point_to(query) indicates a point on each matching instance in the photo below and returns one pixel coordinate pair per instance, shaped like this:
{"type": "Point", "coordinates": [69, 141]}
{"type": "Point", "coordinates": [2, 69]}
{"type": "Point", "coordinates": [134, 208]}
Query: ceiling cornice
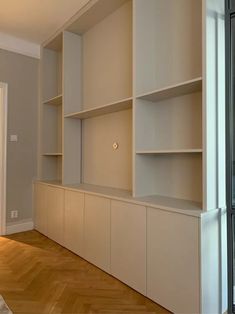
{"type": "Point", "coordinates": [18, 45]}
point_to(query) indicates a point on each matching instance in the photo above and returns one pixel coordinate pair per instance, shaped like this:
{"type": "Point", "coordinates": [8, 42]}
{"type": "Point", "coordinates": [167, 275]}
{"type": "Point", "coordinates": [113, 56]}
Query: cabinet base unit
{"type": "Point", "coordinates": [173, 265]}
{"type": "Point", "coordinates": [163, 254]}
{"type": "Point", "coordinates": [128, 244]}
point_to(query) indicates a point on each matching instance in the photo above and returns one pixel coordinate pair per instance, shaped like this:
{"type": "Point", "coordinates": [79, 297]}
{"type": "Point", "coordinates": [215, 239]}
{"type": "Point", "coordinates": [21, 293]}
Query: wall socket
{"type": "Point", "coordinates": [14, 214]}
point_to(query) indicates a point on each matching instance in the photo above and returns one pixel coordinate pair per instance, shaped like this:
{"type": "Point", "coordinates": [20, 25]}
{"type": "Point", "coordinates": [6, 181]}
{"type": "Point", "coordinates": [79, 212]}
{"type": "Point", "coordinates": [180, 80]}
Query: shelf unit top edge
{"type": "Point", "coordinates": [90, 14]}
{"type": "Point", "coordinates": [127, 103]}
{"type": "Point", "coordinates": [197, 82]}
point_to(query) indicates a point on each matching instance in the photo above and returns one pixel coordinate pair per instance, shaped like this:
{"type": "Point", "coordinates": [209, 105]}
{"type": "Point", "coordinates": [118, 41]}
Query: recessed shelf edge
{"type": "Point", "coordinates": [184, 88]}
{"type": "Point", "coordinates": [105, 109]}
{"type": "Point", "coordinates": [55, 101]}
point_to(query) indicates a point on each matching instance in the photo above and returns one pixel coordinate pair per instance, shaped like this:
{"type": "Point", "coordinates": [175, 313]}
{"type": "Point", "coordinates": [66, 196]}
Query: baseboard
{"type": "Point", "coordinates": [20, 226]}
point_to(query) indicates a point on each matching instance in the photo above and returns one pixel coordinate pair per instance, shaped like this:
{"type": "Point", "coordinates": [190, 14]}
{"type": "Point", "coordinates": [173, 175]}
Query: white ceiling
{"type": "Point", "coordinates": [36, 20]}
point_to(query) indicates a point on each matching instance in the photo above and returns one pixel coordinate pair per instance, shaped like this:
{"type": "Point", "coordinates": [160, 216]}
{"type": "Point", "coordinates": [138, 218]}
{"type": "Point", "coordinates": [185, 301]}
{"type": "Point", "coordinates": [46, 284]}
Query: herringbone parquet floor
{"type": "Point", "coordinates": [37, 276]}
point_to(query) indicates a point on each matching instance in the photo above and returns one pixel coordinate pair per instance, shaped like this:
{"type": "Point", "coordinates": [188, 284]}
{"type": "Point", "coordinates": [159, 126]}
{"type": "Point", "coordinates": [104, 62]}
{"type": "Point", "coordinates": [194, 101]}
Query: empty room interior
{"type": "Point", "coordinates": [117, 156]}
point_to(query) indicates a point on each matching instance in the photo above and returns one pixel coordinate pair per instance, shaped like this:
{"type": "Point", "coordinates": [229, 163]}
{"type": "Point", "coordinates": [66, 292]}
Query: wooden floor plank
{"type": "Point", "coordinates": [37, 276]}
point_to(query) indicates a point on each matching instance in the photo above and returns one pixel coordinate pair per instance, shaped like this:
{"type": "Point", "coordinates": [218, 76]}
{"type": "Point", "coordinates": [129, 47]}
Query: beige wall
{"type": "Point", "coordinates": [21, 74]}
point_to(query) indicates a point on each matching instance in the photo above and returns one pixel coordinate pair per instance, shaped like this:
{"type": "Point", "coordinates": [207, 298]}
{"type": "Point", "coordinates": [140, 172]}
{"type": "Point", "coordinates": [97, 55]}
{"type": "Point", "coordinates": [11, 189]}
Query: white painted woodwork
{"type": "Point", "coordinates": [107, 59]}
{"type": "Point", "coordinates": [173, 269]}
{"type": "Point", "coordinates": [171, 204]}
{"type": "Point", "coordinates": [51, 131]}
{"type": "Point", "coordinates": [93, 13]}
{"type": "Point", "coordinates": [169, 151]}
{"type": "Point", "coordinates": [72, 85]}
{"type": "Point", "coordinates": [40, 208]}
{"type": "Point", "coordinates": [156, 87]}
{"type": "Point", "coordinates": [101, 164]}
{"type": "Point", "coordinates": [52, 154]}
{"type": "Point", "coordinates": [167, 43]}
{"type": "Point", "coordinates": [51, 74]}
{"type": "Point", "coordinates": [98, 111]}
{"type": "Point", "coordinates": [170, 175]}
{"type": "Point", "coordinates": [51, 167]}
{"type": "Point", "coordinates": [55, 214]}
{"type": "Point", "coordinates": [56, 43]}
{"type": "Point", "coordinates": [72, 72]}
{"type": "Point", "coordinates": [177, 90]}
{"type": "Point", "coordinates": [210, 262]}
{"type": "Point", "coordinates": [52, 134]}
{"type": "Point", "coordinates": [128, 244]}
{"type": "Point", "coordinates": [171, 124]}
{"type": "Point", "coordinates": [214, 104]}
{"type": "Point", "coordinates": [74, 221]}
{"type": "Point", "coordinates": [55, 101]}
{"type": "Point", "coordinates": [97, 231]}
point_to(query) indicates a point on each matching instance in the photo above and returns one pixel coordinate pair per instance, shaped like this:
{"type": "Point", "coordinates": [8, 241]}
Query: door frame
{"type": "Point", "coordinates": [3, 155]}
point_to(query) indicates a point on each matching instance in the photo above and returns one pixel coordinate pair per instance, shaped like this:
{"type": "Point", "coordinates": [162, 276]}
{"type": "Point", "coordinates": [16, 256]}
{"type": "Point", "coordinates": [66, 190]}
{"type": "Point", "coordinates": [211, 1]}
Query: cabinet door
{"type": "Point", "coordinates": [55, 207]}
{"type": "Point", "coordinates": [40, 208]}
{"type": "Point", "coordinates": [173, 261]}
{"type": "Point", "coordinates": [128, 244]}
{"type": "Point", "coordinates": [73, 226]}
{"type": "Point", "coordinates": [97, 231]}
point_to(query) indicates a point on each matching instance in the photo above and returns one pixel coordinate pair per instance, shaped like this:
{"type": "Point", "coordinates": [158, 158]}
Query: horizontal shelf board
{"type": "Point", "coordinates": [55, 101]}
{"type": "Point", "coordinates": [168, 151]}
{"type": "Point", "coordinates": [169, 203]}
{"type": "Point", "coordinates": [181, 206]}
{"type": "Point", "coordinates": [53, 154]}
{"type": "Point", "coordinates": [98, 111]}
{"type": "Point", "coordinates": [177, 90]}
{"type": "Point", "coordinates": [101, 190]}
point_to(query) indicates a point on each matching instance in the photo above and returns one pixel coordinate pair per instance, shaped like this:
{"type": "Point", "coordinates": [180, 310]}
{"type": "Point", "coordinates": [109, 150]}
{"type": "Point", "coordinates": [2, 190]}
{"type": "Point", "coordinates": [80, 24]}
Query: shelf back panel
{"type": "Point", "coordinates": [102, 165]}
{"type": "Point", "coordinates": [178, 176]}
{"type": "Point", "coordinates": [171, 124]}
{"type": "Point", "coordinates": [107, 59]}
{"type": "Point", "coordinates": [168, 42]}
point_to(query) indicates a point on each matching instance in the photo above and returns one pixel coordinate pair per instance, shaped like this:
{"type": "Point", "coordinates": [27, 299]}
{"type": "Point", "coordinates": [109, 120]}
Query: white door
{"type": "Point", "coordinates": [3, 151]}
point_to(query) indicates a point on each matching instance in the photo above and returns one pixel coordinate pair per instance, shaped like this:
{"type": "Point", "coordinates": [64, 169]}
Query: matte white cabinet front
{"type": "Point", "coordinates": [128, 244]}
{"type": "Point", "coordinates": [173, 261]}
{"type": "Point", "coordinates": [97, 231]}
{"type": "Point", "coordinates": [55, 214]}
{"type": "Point", "coordinates": [40, 208]}
{"type": "Point", "coordinates": [73, 221]}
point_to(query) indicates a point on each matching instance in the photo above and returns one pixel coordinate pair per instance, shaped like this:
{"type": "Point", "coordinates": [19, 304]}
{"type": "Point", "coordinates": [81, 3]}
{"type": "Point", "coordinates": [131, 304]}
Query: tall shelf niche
{"type": "Point", "coordinates": [168, 103]}
{"type": "Point", "coordinates": [51, 110]}
{"type": "Point", "coordinates": [98, 97]}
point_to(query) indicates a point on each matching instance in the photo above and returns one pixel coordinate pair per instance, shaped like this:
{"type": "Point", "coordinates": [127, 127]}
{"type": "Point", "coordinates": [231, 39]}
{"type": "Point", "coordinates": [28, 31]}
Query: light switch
{"type": "Point", "coordinates": [14, 138]}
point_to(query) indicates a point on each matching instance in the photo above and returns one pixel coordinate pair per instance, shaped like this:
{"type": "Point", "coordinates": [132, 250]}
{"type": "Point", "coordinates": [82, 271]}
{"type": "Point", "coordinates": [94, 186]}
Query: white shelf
{"type": "Point", "coordinates": [55, 101]}
{"type": "Point", "coordinates": [170, 203]}
{"type": "Point", "coordinates": [53, 154]}
{"type": "Point", "coordinates": [168, 151]}
{"type": "Point", "coordinates": [187, 87]}
{"type": "Point", "coordinates": [98, 111]}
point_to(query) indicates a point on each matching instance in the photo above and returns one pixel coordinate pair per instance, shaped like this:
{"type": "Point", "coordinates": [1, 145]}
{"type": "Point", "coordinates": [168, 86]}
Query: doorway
{"type": "Point", "coordinates": [3, 155]}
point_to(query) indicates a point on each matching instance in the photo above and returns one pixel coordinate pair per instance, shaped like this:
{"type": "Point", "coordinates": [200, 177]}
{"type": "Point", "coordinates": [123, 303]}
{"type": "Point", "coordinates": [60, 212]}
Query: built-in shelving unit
{"type": "Point", "coordinates": [177, 90]}
{"type": "Point", "coordinates": [95, 69]}
{"type": "Point", "coordinates": [99, 111]}
{"type": "Point", "coordinates": [132, 121]}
